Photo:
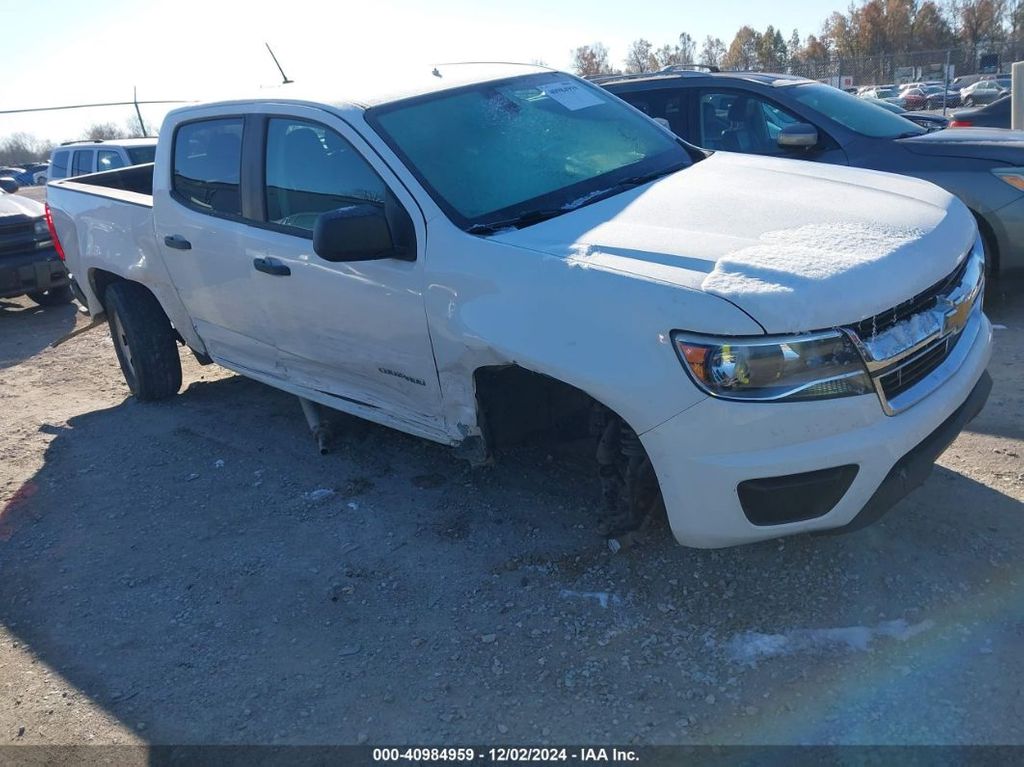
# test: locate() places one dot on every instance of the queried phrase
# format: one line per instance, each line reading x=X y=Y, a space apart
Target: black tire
x=52 y=297
x=144 y=341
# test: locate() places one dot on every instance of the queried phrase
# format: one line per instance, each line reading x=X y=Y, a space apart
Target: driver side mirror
x=9 y=185
x=798 y=136
x=357 y=232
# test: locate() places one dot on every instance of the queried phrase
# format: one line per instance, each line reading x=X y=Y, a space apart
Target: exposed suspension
x=628 y=483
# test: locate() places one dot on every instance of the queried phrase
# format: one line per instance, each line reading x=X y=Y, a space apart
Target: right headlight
x=817 y=366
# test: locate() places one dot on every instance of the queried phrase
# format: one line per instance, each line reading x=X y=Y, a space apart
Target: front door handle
x=271 y=266
x=177 y=242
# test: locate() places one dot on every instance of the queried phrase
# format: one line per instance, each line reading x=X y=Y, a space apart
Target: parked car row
x=994 y=115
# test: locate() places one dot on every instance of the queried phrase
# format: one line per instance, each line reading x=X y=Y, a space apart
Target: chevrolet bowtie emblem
x=956 y=318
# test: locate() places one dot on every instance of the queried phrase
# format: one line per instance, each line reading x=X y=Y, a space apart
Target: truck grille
x=904 y=346
x=917 y=367
x=17 y=237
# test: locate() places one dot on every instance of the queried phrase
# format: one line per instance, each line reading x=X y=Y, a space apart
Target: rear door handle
x=271 y=266
x=177 y=242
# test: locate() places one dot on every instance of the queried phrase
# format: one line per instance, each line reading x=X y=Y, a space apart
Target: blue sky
x=74 y=51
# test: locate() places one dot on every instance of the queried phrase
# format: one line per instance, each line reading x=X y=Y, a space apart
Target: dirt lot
x=193 y=572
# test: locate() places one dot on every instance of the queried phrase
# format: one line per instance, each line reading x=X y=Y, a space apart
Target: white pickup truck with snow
x=761 y=346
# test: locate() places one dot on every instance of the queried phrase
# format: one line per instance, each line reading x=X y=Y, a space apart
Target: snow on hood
x=798 y=246
x=16 y=205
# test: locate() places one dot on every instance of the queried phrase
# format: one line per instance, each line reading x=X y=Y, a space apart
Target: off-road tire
x=144 y=341
x=52 y=297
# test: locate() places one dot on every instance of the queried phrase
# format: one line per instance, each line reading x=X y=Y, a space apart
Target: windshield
x=140 y=155
x=499 y=150
x=853 y=113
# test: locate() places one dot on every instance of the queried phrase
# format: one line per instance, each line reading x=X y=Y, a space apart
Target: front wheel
x=52 y=297
x=144 y=341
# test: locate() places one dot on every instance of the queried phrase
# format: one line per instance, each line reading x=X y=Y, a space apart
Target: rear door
x=355 y=331
x=200 y=226
x=83 y=161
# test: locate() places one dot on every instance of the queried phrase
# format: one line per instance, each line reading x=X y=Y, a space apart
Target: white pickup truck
x=763 y=346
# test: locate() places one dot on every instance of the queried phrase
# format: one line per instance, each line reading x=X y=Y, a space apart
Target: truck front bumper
x=812 y=466
x=36 y=270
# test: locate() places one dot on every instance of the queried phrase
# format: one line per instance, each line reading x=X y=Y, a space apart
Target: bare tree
x=641 y=57
x=712 y=51
x=23 y=147
x=102 y=131
x=591 y=60
x=687 y=49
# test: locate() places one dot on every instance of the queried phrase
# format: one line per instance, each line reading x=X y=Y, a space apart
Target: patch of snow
x=603 y=598
x=219 y=463
x=752 y=646
x=903 y=335
x=999 y=327
x=788 y=263
x=314 y=496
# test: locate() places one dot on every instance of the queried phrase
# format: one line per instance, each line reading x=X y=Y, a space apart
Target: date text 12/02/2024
x=505 y=754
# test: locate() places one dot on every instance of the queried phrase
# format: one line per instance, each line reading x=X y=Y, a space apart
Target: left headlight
x=818 y=366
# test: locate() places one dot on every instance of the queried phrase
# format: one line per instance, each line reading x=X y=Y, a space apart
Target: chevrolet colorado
x=759 y=346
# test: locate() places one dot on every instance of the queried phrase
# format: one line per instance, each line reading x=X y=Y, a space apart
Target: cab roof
x=365 y=92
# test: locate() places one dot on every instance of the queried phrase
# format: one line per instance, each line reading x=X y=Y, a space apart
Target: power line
x=90 y=106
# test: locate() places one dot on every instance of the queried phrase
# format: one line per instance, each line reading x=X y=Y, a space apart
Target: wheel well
x=988 y=237
x=100 y=279
x=516 y=405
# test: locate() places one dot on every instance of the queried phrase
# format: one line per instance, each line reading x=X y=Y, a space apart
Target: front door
x=357 y=331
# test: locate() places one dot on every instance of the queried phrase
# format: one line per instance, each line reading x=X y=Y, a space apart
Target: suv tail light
x=53 y=234
x=960 y=123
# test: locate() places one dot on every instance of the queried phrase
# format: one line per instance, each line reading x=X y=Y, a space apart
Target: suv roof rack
x=674 y=69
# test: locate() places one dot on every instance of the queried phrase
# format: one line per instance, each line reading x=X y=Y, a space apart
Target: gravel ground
x=193 y=572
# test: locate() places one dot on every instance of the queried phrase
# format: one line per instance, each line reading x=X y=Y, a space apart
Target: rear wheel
x=51 y=297
x=144 y=341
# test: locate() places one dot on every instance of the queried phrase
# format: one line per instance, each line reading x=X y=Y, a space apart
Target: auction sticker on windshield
x=570 y=95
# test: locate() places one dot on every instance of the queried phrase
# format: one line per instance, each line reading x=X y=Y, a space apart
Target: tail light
x=960 y=123
x=53 y=234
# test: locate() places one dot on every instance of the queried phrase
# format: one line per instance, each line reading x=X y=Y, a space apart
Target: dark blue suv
x=787 y=116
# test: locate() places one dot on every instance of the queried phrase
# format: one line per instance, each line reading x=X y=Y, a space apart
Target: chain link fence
x=913 y=66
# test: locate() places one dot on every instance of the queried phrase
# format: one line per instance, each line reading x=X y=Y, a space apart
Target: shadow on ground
x=196 y=569
x=26 y=329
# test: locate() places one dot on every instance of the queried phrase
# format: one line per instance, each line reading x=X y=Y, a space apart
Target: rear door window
x=666 y=104
x=207 y=165
x=107 y=159
x=58 y=165
x=82 y=162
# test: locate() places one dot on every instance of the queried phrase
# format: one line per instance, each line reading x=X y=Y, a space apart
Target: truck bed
x=133 y=184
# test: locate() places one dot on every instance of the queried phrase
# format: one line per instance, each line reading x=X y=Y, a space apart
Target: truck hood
x=15 y=205
x=996 y=144
x=798 y=246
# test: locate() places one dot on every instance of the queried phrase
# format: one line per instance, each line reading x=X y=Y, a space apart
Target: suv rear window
x=58 y=165
x=207 y=165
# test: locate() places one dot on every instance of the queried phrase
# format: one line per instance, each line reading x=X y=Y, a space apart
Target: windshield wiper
x=528 y=218
x=628 y=183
